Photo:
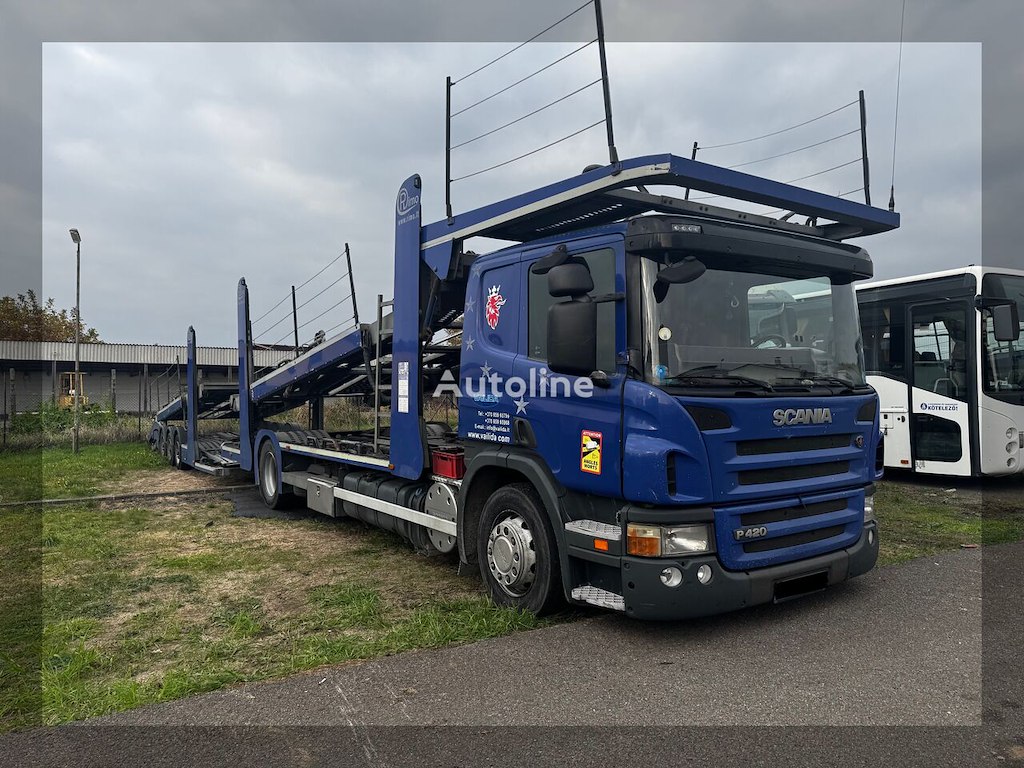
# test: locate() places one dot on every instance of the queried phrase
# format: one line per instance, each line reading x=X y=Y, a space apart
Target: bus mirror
x=1006 y=321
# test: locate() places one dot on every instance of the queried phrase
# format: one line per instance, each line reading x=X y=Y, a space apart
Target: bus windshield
x=735 y=328
x=1002 y=361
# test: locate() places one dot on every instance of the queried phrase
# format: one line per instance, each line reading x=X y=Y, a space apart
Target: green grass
x=917 y=521
x=53 y=473
x=147 y=605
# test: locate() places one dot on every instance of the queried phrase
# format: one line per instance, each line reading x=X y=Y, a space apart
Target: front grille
x=793 y=540
x=797 y=528
x=792 y=513
x=799 y=472
x=792 y=444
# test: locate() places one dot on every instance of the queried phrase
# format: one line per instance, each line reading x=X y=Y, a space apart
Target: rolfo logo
x=406 y=202
x=491 y=387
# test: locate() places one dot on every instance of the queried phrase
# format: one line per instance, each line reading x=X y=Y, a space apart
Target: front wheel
x=518 y=554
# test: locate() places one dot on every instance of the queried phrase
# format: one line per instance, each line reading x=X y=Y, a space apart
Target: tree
x=23 y=318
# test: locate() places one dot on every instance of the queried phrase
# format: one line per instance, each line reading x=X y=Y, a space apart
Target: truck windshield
x=741 y=329
x=1002 y=361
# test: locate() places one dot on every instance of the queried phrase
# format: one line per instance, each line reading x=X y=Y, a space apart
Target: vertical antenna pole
x=613 y=155
x=693 y=156
x=295 y=321
x=352 y=285
x=864 y=149
x=448 y=149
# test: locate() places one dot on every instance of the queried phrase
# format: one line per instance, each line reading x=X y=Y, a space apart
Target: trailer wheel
x=270 y=488
x=176 y=452
x=519 y=558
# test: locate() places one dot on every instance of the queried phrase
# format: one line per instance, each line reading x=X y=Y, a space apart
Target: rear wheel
x=176 y=450
x=269 y=482
x=518 y=554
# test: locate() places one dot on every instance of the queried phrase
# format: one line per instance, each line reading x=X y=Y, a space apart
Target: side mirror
x=1006 y=321
x=545 y=264
x=685 y=271
x=572 y=337
x=572 y=280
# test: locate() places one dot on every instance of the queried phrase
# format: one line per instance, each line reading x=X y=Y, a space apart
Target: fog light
x=671 y=576
x=1011 y=447
x=704 y=574
x=1011 y=433
x=871 y=536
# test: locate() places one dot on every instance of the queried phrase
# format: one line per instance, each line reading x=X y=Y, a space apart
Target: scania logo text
x=743 y=534
x=785 y=417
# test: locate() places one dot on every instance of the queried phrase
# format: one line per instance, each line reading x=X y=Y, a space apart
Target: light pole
x=77 y=385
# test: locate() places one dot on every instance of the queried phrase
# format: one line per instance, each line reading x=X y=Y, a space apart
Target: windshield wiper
x=719 y=377
x=810 y=379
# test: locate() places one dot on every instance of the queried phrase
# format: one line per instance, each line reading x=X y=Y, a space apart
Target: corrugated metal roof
x=131 y=354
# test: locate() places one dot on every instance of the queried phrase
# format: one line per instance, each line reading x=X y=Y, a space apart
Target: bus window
x=884 y=334
x=940 y=352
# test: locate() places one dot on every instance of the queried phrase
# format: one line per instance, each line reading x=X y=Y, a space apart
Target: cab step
x=602 y=598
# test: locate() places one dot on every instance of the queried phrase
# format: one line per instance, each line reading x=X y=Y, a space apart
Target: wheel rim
x=268 y=475
x=511 y=555
x=177 y=452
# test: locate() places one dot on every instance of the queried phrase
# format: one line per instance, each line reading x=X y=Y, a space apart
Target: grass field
x=127 y=604
x=917 y=519
x=52 y=473
x=148 y=604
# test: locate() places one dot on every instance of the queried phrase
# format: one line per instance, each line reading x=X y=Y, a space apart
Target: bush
x=53 y=426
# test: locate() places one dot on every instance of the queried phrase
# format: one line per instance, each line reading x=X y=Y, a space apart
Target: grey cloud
x=173 y=209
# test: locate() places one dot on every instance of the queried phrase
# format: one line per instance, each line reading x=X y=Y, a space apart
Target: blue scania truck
x=662 y=407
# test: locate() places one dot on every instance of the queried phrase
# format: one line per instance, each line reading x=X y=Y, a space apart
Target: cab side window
x=602 y=269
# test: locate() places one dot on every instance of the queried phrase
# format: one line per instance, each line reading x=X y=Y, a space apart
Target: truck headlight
x=647 y=540
x=869 y=509
x=686 y=539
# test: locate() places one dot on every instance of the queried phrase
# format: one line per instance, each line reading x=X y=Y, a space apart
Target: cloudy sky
x=188 y=165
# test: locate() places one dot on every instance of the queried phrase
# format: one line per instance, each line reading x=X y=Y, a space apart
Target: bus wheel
x=270 y=487
x=518 y=555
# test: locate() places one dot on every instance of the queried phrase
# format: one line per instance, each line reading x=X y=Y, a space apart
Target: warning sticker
x=590 y=452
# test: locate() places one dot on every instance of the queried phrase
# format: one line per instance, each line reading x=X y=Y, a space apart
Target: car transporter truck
x=638 y=428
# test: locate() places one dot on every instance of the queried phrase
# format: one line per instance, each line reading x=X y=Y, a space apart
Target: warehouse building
x=125 y=378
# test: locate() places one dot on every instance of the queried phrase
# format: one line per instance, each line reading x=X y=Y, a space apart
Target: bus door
x=942 y=379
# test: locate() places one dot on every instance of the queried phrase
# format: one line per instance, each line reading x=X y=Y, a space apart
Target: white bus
x=945 y=353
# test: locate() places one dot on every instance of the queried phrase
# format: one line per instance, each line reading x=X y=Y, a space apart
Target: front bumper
x=647 y=598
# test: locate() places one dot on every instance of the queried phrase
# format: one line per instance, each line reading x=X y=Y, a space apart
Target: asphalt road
x=901 y=646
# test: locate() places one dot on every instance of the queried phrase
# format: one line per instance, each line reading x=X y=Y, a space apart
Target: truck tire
x=266 y=477
x=518 y=554
x=176 y=450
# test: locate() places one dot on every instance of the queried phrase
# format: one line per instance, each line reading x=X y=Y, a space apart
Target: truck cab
x=685 y=398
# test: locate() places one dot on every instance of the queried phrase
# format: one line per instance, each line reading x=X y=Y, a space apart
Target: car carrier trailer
x=702 y=454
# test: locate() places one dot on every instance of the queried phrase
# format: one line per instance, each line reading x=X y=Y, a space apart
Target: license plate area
x=800 y=586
